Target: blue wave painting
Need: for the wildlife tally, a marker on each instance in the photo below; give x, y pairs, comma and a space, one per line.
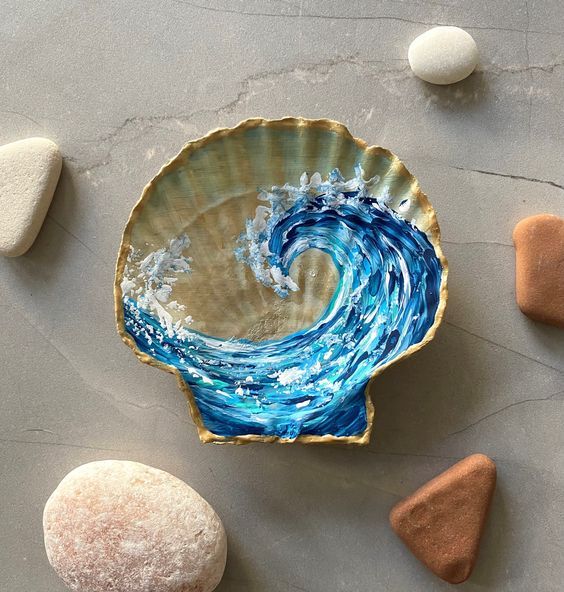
310, 382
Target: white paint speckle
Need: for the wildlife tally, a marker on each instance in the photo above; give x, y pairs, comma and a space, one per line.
290, 375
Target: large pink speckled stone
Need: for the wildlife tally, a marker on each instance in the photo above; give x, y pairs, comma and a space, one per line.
122, 526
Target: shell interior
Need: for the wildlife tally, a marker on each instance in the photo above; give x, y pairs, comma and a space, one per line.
276, 267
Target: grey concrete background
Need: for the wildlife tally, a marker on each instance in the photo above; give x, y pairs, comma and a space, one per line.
121, 86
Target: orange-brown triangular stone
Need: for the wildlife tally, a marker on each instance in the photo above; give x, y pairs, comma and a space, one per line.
442, 522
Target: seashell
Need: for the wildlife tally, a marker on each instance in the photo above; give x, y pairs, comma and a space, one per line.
275, 267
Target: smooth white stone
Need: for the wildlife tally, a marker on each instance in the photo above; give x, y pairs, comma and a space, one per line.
443, 55
125, 527
29, 171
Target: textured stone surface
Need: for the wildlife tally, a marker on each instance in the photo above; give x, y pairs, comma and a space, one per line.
442, 522
29, 171
539, 268
128, 83
443, 55
124, 526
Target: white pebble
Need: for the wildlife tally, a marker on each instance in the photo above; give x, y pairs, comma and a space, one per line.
122, 526
443, 55
29, 171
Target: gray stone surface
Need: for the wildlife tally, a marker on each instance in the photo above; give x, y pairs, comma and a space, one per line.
120, 86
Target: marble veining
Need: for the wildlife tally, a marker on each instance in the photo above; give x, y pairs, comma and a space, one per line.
120, 86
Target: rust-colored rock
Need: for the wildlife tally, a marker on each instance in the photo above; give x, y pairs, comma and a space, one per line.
539, 251
442, 522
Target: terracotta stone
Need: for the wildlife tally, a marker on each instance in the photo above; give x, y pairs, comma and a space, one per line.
442, 522
539, 251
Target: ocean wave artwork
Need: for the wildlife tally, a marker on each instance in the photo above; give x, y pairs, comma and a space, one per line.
275, 268
308, 383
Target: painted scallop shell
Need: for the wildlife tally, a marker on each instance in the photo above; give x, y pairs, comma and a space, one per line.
275, 267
